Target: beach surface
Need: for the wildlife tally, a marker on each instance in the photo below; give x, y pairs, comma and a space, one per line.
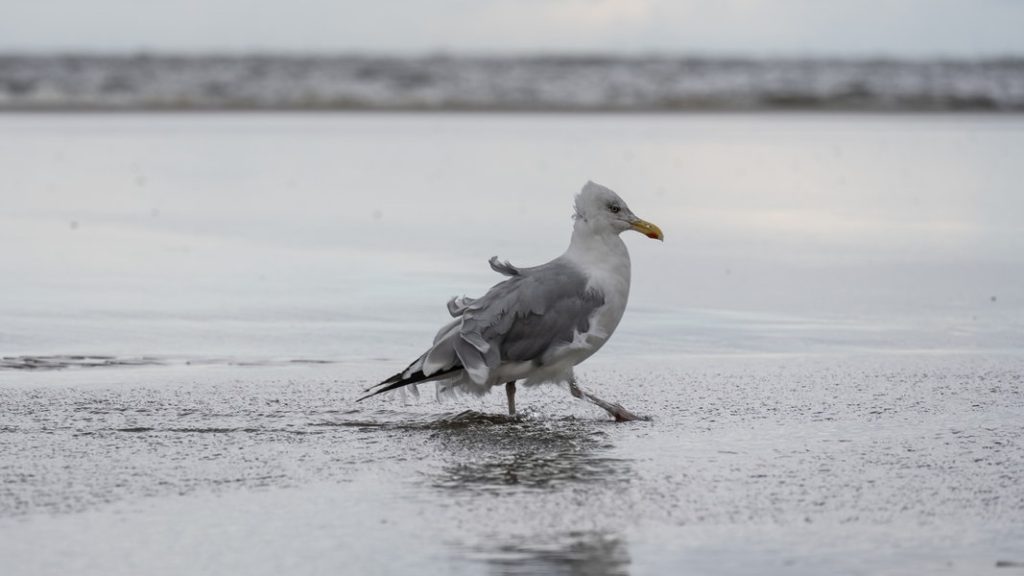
827, 348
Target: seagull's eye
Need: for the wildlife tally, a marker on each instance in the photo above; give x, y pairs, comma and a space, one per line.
614, 208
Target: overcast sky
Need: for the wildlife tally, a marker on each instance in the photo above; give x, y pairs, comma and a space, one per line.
913, 28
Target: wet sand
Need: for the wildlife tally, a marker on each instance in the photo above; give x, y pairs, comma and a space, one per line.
848, 465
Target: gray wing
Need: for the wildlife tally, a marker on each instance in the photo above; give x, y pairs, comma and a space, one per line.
519, 320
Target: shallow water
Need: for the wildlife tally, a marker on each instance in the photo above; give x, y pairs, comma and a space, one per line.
282, 236
827, 347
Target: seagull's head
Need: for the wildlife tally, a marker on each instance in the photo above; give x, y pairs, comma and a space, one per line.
602, 209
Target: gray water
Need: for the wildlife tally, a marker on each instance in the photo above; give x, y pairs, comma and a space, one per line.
827, 346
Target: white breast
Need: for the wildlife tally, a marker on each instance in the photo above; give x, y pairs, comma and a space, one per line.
607, 267
613, 283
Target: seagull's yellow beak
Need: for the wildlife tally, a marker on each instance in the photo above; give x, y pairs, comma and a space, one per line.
647, 229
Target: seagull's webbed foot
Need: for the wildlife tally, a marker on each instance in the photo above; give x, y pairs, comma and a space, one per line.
616, 410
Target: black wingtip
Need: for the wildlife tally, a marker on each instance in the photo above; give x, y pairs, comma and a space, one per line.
397, 381
388, 388
391, 380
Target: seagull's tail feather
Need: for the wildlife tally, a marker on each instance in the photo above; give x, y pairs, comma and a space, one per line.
404, 378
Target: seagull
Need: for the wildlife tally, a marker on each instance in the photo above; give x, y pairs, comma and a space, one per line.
537, 324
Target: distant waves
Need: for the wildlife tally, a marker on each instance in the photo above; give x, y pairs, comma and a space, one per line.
567, 84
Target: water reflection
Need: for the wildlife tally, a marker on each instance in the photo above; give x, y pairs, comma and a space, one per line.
582, 553
489, 459
531, 470
526, 453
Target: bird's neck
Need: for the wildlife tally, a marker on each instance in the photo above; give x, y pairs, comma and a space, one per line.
596, 247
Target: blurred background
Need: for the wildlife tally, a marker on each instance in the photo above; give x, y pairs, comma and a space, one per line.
314, 178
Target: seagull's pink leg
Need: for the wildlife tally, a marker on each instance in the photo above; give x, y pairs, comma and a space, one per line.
616, 411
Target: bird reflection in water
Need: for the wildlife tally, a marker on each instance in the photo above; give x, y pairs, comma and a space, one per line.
483, 455
487, 456
574, 553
